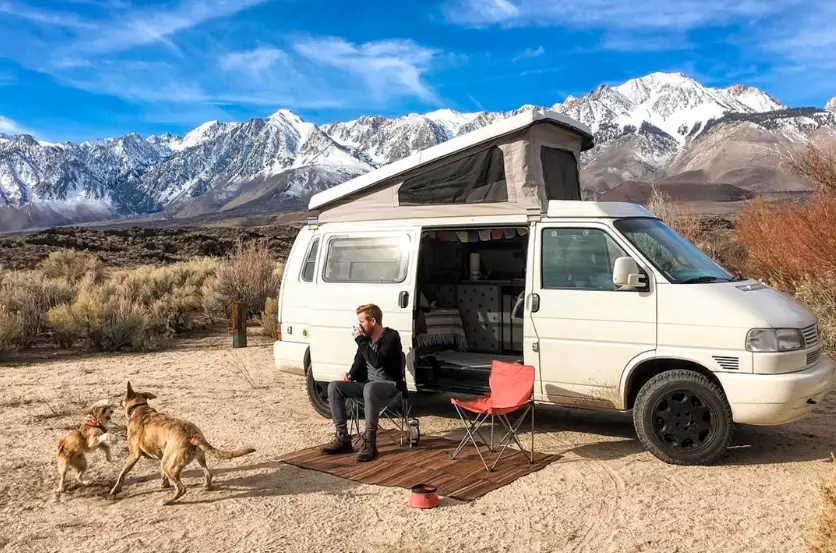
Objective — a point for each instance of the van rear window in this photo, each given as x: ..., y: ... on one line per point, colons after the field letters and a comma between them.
x: 379, y: 259
x: 309, y: 267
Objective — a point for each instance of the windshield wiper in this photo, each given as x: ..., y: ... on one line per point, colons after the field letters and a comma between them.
x: 703, y: 279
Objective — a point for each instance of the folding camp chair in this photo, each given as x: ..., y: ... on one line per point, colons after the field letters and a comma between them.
x: 511, y: 389
x: 396, y: 412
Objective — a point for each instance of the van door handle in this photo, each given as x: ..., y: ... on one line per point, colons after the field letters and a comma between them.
x: 403, y: 299
x: 535, y: 303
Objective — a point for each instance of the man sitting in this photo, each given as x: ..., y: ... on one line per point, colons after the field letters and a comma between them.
x: 375, y: 377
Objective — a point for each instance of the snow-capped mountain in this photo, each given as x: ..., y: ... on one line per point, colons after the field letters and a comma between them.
x: 644, y: 129
x: 672, y: 102
x: 831, y: 104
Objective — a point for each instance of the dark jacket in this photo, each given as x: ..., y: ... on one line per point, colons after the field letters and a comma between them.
x: 388, y: 357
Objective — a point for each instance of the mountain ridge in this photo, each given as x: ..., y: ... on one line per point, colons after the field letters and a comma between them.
x: 643, y: 128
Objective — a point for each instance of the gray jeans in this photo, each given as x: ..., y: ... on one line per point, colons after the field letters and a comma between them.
x: 375, y: 395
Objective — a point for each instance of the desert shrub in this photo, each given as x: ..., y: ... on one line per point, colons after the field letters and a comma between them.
x: 789, y: 242
x: 251, y: 276
x: 72, y: 266
x: 818, y: 294
x: 818, y: 164
x: 270, y: 317
x: 29, y: 295
x: 11, y: 327
x: 101, y: 320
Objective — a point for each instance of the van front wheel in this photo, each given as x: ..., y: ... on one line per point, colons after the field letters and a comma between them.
x: 318, y: 395
x: 683, y: 418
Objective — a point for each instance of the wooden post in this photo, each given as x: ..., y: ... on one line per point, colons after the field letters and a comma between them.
x: 239, y: 324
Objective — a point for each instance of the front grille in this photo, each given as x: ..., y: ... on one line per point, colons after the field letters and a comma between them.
x: 727, y: 363
x: 813, y: 356
x: 811, y: 335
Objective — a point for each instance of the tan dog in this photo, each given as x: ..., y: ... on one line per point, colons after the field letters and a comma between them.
x: 174, y: 442
x: 91, y: 435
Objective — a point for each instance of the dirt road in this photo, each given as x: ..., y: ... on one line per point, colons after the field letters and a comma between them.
x: 606, y: 494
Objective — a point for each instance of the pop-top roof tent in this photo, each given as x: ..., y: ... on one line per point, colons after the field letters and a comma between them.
x: 512, y: 166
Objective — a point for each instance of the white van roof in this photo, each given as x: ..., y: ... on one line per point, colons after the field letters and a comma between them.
x: 562, y: 209
x: 487, y: 133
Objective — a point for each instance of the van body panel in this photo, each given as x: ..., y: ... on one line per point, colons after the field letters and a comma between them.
x: 289, y: 357
x: 294, y: 309
x: 332, y: 307
x: 777, y: 398
x: 586, y: 336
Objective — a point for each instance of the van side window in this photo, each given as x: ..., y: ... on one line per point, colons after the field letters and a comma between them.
x: 477, y: 178
x: 560, y: 173
x: 377, y: 259
x: 309, y: 267
x: 578, y: 258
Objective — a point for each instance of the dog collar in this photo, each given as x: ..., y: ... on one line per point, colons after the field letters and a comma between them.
x: 93, y: 423
x: 134, y: 406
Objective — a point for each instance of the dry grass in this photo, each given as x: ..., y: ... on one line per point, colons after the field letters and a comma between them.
x: 824, y: 541
x: 72, y: 266
x: 791, y: 242
x: 251, y: 276
x: 11, y: 327
x: 270, y: 317
x: 72, y: 301
x: 27, y: 296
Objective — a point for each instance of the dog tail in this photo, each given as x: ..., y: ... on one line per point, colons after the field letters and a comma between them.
x: 206, y: 447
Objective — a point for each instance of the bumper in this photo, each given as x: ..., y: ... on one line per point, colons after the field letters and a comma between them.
x: 289, y: 357
x: 772, y: 399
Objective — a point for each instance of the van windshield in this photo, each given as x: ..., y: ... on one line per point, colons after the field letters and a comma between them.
x: 680, y: 261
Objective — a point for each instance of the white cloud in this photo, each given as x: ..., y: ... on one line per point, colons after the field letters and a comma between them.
x: 61, y: 19
x: 529, y: 53
x: 143, y: 27
x: 116, y: 53
x: 259, y: 59
x: 7, y: 126
x: 388, y: 67
x: 632, y: 42
x: 608, y: 14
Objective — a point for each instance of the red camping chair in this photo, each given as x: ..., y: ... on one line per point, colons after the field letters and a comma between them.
x: 511, y: 389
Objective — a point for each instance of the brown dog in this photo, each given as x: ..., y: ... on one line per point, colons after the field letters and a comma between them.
x: 91, y: 435
x: 173, y: 441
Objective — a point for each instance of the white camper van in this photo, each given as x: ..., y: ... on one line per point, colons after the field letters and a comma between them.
x: 620, y: 312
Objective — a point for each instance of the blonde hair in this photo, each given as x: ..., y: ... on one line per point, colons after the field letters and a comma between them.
x: 372, y: 312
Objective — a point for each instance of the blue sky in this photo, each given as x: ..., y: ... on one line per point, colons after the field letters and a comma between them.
x: 79, y: 69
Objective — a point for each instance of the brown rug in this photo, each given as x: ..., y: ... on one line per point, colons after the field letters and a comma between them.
x: 463, y: 478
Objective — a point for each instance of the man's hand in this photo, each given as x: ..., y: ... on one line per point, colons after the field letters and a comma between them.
x: 358, y: 331
x: 346, y: 378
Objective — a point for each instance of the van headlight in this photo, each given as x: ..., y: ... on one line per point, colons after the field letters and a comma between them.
x: 771, y: 339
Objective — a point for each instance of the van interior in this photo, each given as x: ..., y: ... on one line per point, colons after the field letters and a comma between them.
x: 468, y: 282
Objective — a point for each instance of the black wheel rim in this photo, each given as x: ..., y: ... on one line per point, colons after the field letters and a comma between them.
x: 684, y: 421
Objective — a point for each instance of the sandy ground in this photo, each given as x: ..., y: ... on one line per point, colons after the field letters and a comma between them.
x: 606, y: 494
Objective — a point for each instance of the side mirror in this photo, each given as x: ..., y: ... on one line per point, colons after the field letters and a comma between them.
x: 626, y: 274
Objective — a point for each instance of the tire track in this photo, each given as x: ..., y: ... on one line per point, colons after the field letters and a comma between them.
x: 597, y: 521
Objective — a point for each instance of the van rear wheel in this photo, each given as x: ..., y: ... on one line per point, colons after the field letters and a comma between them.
x: 318, y: 395
x: 683, y: 418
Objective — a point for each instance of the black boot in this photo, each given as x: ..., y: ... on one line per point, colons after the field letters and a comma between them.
x: 369, y: 449
x: 340, y: 444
